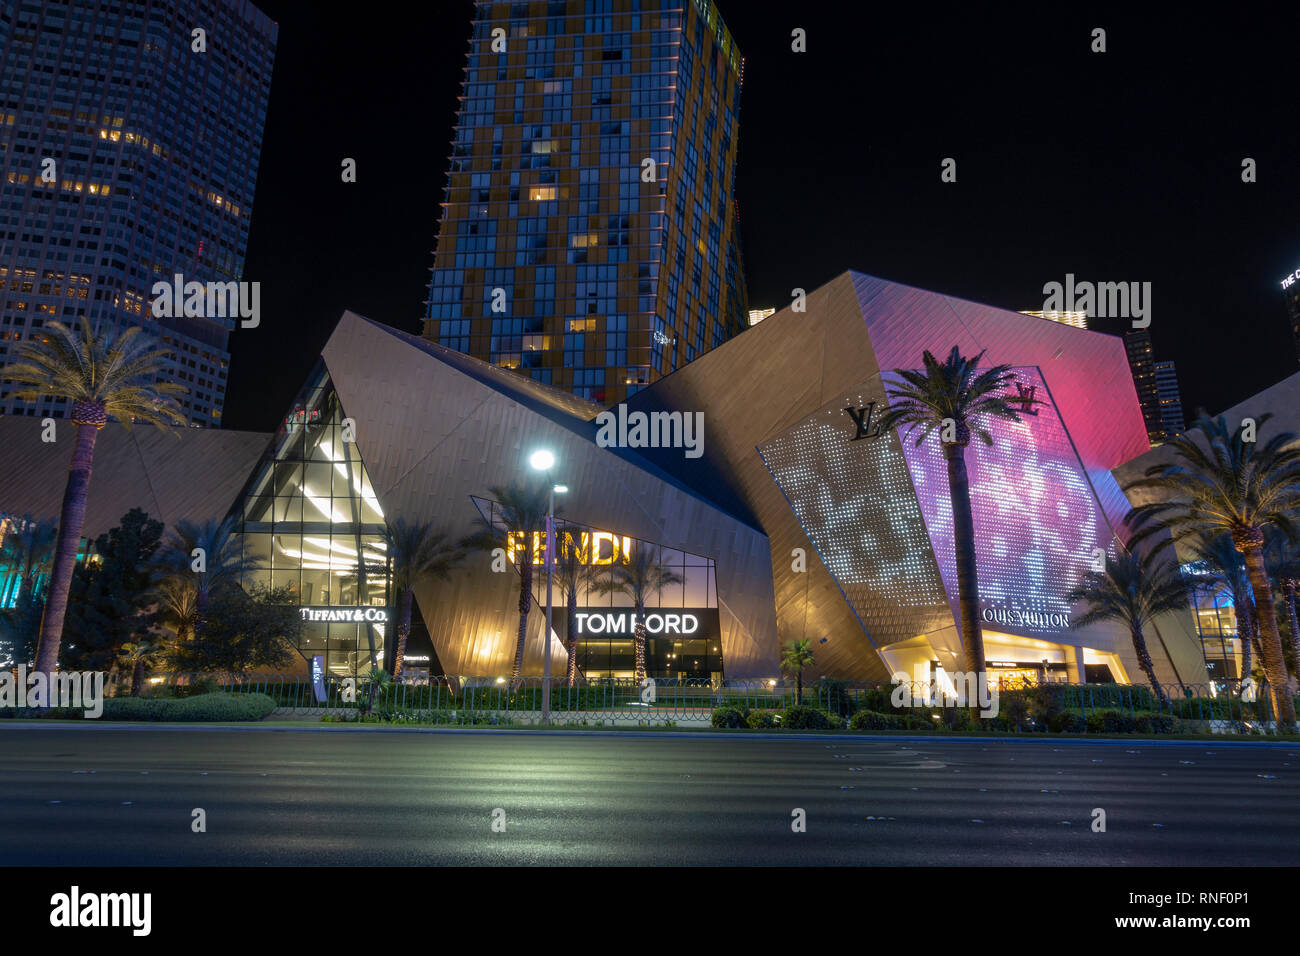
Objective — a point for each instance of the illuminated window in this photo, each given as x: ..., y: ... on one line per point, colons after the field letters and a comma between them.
x: 541, y: 193
x: 583, y: 240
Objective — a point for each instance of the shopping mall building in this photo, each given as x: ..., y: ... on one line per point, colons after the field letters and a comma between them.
x: 757, y: 472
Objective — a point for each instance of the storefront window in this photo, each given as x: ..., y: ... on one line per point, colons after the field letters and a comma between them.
x: 311, y: 516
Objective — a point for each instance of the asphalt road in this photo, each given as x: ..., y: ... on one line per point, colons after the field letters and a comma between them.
x: 125, y: 796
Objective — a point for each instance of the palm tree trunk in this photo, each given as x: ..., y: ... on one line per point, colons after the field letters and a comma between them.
x: 525, y: 603
x: 1245, y: 614
x: 1288, y: 588
x: 137, y: 678
x: 798, y: 688
x: 1145, y: 662
x: 963, y: 537
x: 200, y: 608
x: 403, y: 630
x: 1270, y: 640
x: 571, y: 637
x: 71, y: 519
x: 640, y: 642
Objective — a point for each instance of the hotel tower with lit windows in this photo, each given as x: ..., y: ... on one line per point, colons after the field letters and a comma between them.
x: 127, y: 156
x: 588, y: 238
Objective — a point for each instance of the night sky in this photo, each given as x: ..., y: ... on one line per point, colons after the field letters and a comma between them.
x: 1120, y: 166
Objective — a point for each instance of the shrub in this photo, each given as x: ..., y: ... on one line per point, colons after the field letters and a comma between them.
x: 871, y: 720
x: 1013, y: 710
x: 1111, y: 722
x: 1067, y: 722
x: 805, y: 718
x: 200, y: 708
x: 833, y: 697
x: 760, y: 719
x: 1046, y: 701
x: 728, y: 717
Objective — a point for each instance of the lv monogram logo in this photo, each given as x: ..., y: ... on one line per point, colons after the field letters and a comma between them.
x: 1025, y: 398
x: 862, y: 419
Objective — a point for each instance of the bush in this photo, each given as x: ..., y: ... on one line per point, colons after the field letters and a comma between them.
x: 870, y: 720
x: 760, y: 720
x: 1067, y: 722
x: 833, y: 696
x: 1122, y: 697
x: 805, y: 718
x: 1111, y: 722
x: 728, y: 717
x: 202, y: 707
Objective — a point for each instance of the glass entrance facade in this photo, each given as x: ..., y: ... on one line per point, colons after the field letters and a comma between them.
x: 311, y: 519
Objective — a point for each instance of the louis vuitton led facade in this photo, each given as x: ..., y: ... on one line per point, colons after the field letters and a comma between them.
x: 799, y: 520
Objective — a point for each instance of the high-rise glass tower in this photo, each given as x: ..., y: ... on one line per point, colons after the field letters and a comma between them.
x: 129, y: 140
x: 1142, y: 362
x: 588, y: 238
x: 1172, y: 421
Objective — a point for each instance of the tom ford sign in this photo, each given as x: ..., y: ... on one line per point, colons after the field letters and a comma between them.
x: 345, y: 615
x: 619, y: 623
x: 623, y: 623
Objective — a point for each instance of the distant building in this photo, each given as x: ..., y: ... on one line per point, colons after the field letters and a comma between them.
x: 1291, y: 295
x: 758, y: 315
x: 1141, y: 361
x: 1172, y: 421
x: 589, y: 235
x: 129, y: 158
x: 1077, y: 319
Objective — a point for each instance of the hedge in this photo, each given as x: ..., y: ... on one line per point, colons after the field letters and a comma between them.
x: 217, y: 706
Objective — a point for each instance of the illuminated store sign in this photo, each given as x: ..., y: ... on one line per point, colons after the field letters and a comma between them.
x: 345, y: 615
x: 1290, y: 280
x: 593, y: 547
x: 623, y: 623
x: 661, y: 623
x: 1029, y: 620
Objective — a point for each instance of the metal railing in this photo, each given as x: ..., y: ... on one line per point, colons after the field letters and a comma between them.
x: 1223, y: 706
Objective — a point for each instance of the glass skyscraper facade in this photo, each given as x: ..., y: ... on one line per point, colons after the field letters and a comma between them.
x: 129, y: 144
x: 589, y: 232
x: 1142, y: 362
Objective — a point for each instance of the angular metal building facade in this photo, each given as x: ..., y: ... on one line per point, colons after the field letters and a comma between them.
x: 801, y: 519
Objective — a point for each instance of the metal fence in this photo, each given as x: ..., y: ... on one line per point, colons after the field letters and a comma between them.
x: 1220, y: 706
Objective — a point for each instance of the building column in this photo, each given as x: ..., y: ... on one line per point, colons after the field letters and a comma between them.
x: 1074, y: 666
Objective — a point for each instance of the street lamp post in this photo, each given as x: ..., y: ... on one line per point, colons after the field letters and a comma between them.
x: 545, y: 461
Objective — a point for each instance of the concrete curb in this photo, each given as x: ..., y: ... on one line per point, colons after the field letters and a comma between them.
x: 177, y: 727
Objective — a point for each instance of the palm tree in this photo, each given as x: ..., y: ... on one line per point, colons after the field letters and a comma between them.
x: 521, y: 513
x: 142, y: 656
x: 642, y: 575
x: 1284, y: 560
x: 1132, y: 591
x: 29, y: 548
x: 572, y: 575
x: 177, y: 602
x: 222, y: 565
x: 417, y: 553
x: 795, y: 657
x: 113, y: 374
x: 1220, y: 557
x: 956, y: 399
x: 1239, y: 487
